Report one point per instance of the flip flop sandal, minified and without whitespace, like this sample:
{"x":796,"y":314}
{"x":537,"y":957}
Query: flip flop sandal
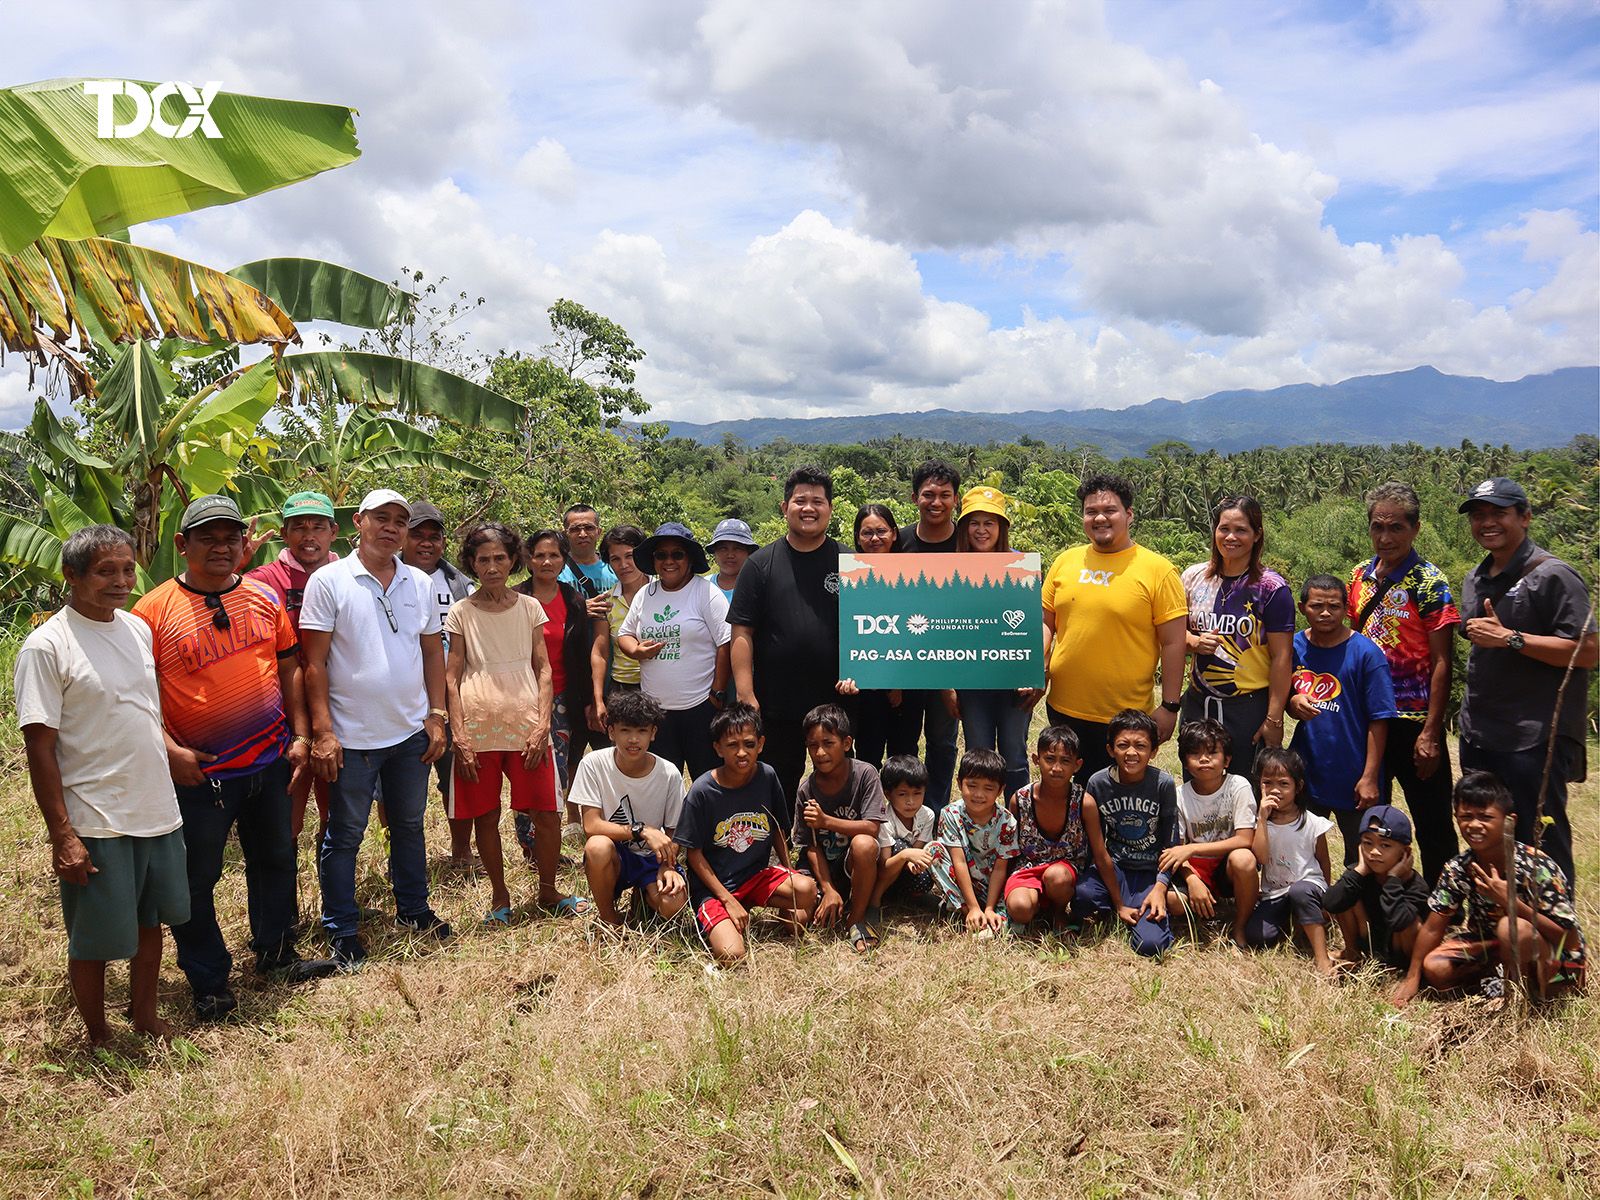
{"x":569,"y":906}
{"x":498,"y":916}
{"x":863,"y":938}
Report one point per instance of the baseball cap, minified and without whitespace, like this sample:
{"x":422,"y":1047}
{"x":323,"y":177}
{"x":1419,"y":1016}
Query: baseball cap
{"x":1499,"y":491}
{"x":209,"y":508}
{"x":1388,"y":821}
{"x":378,"y":497}
{"x":984,"y":499}
{"x":308,"y":504}
{"x":421,"y":512}
{"x":732,"y":530}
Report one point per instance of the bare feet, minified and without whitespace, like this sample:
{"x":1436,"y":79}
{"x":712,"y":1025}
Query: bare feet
{"x":1328,"y":969}
{"x":155,"y":1027}
{"x":99,"y":1035}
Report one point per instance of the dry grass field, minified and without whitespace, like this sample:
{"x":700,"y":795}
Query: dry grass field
{"x":553,"y":1059}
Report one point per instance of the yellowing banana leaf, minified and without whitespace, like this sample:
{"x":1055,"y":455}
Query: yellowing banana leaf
{"x":414,"y":388}
{"x":109,"y":291}
{"x":60,"y":178}
{"x":310,"y":290}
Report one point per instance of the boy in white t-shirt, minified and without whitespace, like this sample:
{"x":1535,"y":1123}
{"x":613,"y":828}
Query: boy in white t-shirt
{"x":1216,"y":829}
{"x":903,"y":857}
{"x":631,"y":800}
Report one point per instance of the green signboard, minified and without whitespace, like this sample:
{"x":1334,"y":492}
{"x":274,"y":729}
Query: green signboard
{"x":940,"y":620}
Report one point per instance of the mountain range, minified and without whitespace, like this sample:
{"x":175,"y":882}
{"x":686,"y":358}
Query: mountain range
{"x":1421,"y":405}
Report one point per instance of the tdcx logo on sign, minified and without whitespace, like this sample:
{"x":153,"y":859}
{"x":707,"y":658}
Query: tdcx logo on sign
{"x":868,"y":624}
{"x":147,"y":108}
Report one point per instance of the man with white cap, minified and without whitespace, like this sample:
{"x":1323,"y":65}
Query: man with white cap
{"x":236,"y":730}
{"x":375,"y":686}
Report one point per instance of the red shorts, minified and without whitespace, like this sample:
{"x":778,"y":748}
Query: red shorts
{"x":533,"y":789}
{"x":1207,"y":869}
{"x":752,"y":893}
{"x":1033,"y":877}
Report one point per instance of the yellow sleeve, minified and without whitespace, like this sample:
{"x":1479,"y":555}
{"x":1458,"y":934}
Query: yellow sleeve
{"x":1168,"y":599}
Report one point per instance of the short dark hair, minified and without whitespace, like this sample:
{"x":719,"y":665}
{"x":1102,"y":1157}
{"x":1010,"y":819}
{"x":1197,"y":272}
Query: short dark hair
{"x":808,"y":474}
{"x":1205,"y":734}
{"x":489,"y":531}
{"x":1132,"y":720}
{"x":1402,"y":495}
{"x":1059,"y":737}
{"x":1102,"y":481}
{"x":1323,"y":583}
{"x":735,"y":716}
{"x":1482,"y":789}
{"x":633,"y":710}
{"x":1286,"y":760}
{"x":620,"y":535}
{"x":903,"y":770}
{"x":79,"y":550}
{"x":826,"y":716}
{"x":881,"y":511}
{"x":937,"y":470}
{"x":982,"y":764}
{"x":580,"y":507}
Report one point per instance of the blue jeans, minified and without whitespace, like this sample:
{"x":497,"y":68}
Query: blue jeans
{"x":259,"y":805}
{"x":940,"y":752}
{"x":991,"y":720}
{"x":1148,"y":938}
{"x":404,"y":779}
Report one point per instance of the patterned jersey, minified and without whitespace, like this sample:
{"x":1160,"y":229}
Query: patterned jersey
{"x":219,"y":687}
{"x":984,"y":845}
{"x":1241,"y":612}
{"x":1540,"y":886}
{"x":1037,"y":848}
{"x":1418,"y":604}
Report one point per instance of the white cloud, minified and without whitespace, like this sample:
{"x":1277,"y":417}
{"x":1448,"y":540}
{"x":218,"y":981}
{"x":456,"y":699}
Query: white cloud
{"x":548,"y":169}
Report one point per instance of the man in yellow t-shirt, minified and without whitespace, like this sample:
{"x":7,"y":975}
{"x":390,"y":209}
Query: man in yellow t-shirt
{"x":1112,"y":610}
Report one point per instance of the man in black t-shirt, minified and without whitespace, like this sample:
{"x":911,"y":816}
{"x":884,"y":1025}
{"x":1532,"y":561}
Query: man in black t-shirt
{"x":935,"y":486}
{"x":1528,"y":618}
{"x":785,"y":619}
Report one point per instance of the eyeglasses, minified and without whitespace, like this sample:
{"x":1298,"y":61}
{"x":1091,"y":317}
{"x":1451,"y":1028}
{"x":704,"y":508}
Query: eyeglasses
{"x":219,"y":618}
{"x":583,"y":529}
{"x":388,"y":611}
{"x":671,"y":555}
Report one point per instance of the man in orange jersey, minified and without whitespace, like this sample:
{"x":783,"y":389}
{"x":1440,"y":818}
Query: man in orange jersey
{"x":236,"y":730}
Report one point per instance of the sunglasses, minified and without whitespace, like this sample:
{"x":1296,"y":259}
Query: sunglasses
{"x":388,"y":611}
{"x":670,"y":555}
{"x":219,"y":618}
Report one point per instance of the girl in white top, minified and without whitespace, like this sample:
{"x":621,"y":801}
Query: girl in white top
{"x":1291,"y":845}
{"x":677,"y":630}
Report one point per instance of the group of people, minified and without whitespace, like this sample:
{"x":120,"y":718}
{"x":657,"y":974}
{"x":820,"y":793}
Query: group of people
{"x":682,"y":703}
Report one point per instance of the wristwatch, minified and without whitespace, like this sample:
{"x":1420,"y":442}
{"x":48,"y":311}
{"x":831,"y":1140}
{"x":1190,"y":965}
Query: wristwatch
{"x":1172,"y":706}
{"x":1515,"y":641}
{"x":638,"y":831}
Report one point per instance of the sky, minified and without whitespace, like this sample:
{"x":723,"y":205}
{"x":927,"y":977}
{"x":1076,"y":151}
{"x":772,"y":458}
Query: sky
{"x":833,"y":207}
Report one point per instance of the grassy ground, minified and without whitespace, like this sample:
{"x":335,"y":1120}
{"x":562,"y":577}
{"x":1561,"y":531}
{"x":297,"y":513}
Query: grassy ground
{"x":554,"y":1059}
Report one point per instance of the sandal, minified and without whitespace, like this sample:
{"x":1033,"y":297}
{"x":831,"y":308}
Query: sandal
{"x":498,"y":916}
{"x":569,"y":906}
{"x":863,"y":937}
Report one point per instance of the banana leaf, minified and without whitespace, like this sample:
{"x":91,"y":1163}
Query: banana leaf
{"x":131,"y":394}
{"x":310,"y":290}
{"x":110,"y":292}
{"x":412,"y":387}
{"x":60,"y":178}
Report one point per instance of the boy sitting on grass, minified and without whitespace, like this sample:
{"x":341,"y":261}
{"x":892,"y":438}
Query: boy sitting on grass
{"x":1130,"y":813}
{"x":731,"y":829}
{"x":1216,"y":829}
{"x":903,"y":838}
{"x":1381,"y":902}
{"x":839,"y":811}
{"x":631,"y":801}
{"x":1550,"y":954}
{"x":977,"y":841}
{"x":1049,"y":814}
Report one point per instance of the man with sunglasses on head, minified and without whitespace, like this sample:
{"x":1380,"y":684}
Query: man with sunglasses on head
{"x":375,"y":688}
{"x":237,"y":732}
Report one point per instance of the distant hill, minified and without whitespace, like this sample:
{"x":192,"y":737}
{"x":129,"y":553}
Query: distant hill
{"x":1421,"y":405}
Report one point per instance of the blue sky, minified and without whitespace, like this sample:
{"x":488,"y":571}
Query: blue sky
{"x":832,"y":207}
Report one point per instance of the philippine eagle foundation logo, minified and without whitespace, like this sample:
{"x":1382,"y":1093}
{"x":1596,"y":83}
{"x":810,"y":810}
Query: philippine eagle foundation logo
{"x":916,"y":623}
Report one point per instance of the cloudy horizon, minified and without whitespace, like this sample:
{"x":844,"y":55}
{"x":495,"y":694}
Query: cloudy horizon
{"x":830,"y":208}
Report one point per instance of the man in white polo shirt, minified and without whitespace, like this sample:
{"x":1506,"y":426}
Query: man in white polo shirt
{"x":374,"y":677}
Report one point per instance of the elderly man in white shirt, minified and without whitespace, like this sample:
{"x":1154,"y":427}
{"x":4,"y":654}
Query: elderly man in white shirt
{"x":374,"y":678}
